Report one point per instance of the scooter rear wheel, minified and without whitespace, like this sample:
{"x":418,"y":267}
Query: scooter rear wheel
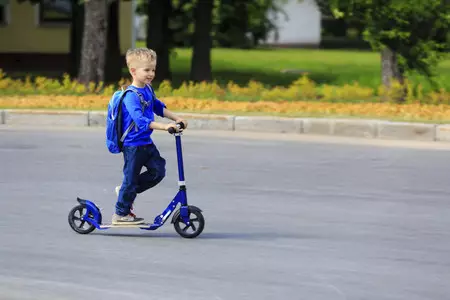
{"x":197,"y":223}
{"x":75,"y":221}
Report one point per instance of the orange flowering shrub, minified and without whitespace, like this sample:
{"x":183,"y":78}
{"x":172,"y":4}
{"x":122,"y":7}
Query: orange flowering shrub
{"x":406,"y":112}
{"x":302,"y":89}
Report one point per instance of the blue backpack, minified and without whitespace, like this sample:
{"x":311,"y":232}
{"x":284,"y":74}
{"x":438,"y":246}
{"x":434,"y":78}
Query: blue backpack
{"x":114,"y":135}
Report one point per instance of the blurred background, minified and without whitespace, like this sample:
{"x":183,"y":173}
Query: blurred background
{"x":272,"y":42}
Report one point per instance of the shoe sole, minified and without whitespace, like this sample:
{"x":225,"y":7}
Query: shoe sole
{"x":127,"y":223}
{"x":124,"y":225}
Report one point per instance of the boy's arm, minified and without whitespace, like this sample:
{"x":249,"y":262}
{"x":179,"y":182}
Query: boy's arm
{"x":133,"y":106}
{"x":161,"y":126}
{"x":170,"y":115}
{"x":160,"y":109}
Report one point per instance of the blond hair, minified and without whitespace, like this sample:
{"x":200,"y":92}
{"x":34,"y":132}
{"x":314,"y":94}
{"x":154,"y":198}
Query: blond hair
{"x":137,"y":55}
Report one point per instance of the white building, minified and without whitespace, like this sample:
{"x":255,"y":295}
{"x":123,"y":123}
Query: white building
{"x":300,"y":27}
{"x":140,"y":26}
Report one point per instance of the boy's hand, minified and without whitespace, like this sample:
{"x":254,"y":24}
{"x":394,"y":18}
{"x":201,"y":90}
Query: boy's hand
{"x":185,"y":123}
{"x":172,"y":125}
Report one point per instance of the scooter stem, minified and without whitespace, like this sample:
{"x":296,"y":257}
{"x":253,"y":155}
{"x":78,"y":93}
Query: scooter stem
{"x":181,"y":181}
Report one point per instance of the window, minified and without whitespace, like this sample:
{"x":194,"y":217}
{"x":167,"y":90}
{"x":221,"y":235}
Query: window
{"x":55,"y":12}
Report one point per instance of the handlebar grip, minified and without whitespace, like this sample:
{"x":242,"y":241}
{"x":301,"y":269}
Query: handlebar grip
{"x":179,"y":125}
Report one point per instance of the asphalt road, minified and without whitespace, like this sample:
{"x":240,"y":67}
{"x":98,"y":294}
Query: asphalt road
{"x":286,"y":218}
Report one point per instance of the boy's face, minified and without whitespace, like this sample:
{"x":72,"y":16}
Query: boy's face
{"x":144,"y":72}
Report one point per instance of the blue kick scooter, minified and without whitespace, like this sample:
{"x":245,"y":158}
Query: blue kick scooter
{"x":187,"y":220}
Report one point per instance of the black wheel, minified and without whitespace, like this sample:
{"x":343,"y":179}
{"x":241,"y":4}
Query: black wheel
{"x":197,"y":223}
{"x":77,"y":223}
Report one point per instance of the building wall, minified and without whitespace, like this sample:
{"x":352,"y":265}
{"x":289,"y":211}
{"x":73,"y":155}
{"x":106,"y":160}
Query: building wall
{"x":303,"y":26}
{"x":24,"y":34}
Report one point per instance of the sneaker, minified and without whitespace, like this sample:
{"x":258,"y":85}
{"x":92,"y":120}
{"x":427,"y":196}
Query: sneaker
{"x":117,"y":189}
{"x":131,"y":213}
{"x":126,"y":220}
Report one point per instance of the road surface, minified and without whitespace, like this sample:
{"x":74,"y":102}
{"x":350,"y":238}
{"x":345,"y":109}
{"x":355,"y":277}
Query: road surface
{"x":286,"y":218}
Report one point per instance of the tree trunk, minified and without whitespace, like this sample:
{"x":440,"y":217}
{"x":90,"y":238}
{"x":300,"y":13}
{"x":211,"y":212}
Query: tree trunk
{"x":202,"y":42}
{"x":76,"y":37}
{"x":158,"y":35}
{"x":242,"y":23}
{"x":94,"y":42}
{"x":232,"y":30}
{"x":390,"y":71}
{"x":226,"y":22}
{"x":114,"y":63}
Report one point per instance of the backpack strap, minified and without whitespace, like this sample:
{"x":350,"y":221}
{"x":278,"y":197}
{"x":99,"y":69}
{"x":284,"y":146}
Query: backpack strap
{"x":144,"y":104}
{"x":151,"y":90}
{"x":119,"y":117}
{"x":124,"y":135}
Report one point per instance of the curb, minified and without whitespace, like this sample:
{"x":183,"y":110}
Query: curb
{"x":360,"y":128}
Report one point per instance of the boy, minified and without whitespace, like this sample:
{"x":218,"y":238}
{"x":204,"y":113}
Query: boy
{"x":138,"y":147}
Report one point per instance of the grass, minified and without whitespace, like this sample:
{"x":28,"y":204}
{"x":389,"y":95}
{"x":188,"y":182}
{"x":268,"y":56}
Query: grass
{"x":334,"y":67}
{"x":269,"y":66}
{"x":273,"y":67}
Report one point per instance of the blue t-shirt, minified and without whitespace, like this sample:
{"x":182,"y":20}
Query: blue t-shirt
{"x":132,"y":111}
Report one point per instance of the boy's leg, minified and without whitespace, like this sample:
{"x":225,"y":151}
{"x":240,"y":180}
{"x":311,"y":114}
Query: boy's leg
{"x":133,"y":158}
{"x":156,"y":170}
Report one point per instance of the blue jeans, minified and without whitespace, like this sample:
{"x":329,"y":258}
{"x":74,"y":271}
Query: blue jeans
{"x":135,"y":182}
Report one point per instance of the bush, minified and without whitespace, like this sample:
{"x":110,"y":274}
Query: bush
{"x":302,"y":89}
{"x":391,"y":111}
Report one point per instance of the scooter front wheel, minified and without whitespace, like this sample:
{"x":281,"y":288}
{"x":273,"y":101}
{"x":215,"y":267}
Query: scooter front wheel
{"x":75,"y":220}
{"x":195,"y":227}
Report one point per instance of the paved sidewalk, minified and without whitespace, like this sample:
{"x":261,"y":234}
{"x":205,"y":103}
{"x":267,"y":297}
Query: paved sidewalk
{"x":362,"y":128}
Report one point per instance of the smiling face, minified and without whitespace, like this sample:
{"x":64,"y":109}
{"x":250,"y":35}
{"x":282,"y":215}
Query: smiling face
{"x":142,"y":63}
{"x":143,"y":73}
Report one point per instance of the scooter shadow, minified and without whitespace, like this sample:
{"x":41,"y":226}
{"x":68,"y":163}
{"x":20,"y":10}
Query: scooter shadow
{"x":245,"y":236}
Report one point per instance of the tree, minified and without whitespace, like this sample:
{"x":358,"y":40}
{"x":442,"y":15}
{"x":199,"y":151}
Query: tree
{"x":76,"y":37}
{"x":233,"y":26}
{"x":113,"y":67}
{"x":94,"y":42}
{"x":201,"y":23}
{"x":202,"y":42}
{"x":159,"y":35}
{"x":167,"y":27}
{"x":114,"y":62}
{"x":262,"y":18}
{"x":410,"y":34}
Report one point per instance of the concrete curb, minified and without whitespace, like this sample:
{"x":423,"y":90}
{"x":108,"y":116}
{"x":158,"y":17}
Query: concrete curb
{"x":361,"y":128}
{"x":45,"y":117}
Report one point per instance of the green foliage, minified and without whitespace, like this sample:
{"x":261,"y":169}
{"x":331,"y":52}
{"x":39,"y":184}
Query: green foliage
{"x":245,"y":23}
{"x":416,"y":30}
{"x":259,"y":24}
{"x":234,"y":21}
{"x":263,"y":74}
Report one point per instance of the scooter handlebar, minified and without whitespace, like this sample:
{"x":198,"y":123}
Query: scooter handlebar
{"x":179,"y":126}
